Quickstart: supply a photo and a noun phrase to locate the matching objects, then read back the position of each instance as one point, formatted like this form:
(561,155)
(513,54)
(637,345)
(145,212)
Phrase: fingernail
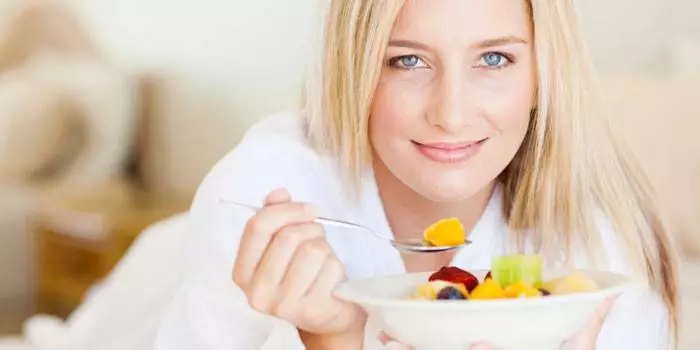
(276,196)
(383,338)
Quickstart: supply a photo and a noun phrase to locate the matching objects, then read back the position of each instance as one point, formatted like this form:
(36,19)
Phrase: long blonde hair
(569,168)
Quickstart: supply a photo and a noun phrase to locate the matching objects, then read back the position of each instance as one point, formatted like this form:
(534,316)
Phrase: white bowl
(508,324)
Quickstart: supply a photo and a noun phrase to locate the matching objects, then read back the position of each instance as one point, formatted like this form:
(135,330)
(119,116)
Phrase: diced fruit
(507,270)
(489,289)
(450,293)
(455,275)
(431,290)
(445,232)
(576,282)
(521,290)
(510,277)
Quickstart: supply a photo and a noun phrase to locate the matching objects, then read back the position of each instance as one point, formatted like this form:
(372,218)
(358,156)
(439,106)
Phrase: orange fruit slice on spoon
(445,232)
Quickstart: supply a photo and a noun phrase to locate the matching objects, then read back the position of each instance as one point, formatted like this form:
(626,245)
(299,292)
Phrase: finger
(304,269)
(383,338)
(276,259)
(259,232)
(278,196)
(588,336)
(331,275)
(306,266)
(595,324)
(322,293)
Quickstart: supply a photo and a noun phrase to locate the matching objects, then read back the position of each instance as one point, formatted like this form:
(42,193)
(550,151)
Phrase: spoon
(408,245)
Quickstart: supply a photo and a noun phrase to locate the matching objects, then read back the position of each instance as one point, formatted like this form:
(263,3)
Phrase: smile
(450,153)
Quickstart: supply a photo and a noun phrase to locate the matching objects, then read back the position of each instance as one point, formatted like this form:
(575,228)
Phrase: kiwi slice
(510,269)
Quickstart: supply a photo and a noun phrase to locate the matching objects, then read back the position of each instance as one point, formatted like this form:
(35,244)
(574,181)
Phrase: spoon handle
(320,220)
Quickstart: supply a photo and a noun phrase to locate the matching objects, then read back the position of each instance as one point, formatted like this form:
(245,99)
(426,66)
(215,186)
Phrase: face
(456,91)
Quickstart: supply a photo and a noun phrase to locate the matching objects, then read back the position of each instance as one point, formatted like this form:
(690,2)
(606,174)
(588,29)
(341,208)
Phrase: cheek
(397,114)
(508,107)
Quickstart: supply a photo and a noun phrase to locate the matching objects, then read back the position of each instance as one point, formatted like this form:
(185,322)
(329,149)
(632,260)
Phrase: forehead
(463,20)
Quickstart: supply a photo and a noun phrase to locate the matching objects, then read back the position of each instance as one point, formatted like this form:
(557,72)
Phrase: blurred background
(112,111)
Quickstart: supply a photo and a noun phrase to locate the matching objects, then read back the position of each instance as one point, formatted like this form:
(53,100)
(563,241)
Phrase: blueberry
(450,293)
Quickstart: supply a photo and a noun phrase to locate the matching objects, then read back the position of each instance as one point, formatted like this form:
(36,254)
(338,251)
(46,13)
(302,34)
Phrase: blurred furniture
(79,241)
(67,125)
(125,309)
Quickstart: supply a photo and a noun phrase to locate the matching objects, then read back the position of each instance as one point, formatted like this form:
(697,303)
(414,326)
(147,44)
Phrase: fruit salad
(511,277)
(446,232)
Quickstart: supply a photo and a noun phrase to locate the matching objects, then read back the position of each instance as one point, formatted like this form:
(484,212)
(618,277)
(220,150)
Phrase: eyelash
(395,60)
(509,60)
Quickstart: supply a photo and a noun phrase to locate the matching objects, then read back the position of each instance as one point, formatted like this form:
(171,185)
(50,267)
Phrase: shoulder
(272,154)
(605,249)
(277,138)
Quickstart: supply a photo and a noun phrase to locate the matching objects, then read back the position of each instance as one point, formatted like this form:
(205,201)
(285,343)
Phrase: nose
(448,110)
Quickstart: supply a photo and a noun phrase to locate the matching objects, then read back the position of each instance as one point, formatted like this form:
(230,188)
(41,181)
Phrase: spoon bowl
(407,246)
(418,246)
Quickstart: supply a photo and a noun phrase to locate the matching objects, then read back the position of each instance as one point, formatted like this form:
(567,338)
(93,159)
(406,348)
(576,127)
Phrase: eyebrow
(500,41)
(484,44)
(409,44)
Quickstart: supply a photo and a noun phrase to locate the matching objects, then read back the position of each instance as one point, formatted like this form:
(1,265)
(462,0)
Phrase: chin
(448,190)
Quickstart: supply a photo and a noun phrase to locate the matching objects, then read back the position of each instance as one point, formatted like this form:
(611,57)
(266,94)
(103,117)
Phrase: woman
(481,110)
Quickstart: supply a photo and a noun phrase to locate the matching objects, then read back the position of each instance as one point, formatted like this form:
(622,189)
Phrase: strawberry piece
(454,274)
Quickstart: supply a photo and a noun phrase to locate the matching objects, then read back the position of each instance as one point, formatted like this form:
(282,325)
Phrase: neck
(409,213)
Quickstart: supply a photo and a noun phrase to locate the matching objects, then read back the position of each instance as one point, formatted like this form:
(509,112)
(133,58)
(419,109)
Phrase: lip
(449,152)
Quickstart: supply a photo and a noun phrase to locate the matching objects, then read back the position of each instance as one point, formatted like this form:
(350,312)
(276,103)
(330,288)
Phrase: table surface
(80,241)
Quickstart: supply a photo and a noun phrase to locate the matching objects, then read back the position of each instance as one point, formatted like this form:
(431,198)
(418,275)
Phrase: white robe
(210,312)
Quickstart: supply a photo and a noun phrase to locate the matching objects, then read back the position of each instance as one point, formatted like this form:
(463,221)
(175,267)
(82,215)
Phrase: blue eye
(407,62)
(494,60)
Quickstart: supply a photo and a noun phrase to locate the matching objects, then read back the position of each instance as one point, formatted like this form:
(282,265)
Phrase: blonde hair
(569,168)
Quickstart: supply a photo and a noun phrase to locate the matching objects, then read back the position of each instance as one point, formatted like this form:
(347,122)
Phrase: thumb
(595,324)
(278,196)
(587,337)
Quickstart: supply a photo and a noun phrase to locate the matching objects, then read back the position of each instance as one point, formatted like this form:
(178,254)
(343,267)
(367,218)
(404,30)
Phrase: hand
(587,337)
(287,270)
(583,340)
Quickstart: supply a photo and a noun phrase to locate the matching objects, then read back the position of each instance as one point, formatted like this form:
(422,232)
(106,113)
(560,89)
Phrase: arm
(210,311)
